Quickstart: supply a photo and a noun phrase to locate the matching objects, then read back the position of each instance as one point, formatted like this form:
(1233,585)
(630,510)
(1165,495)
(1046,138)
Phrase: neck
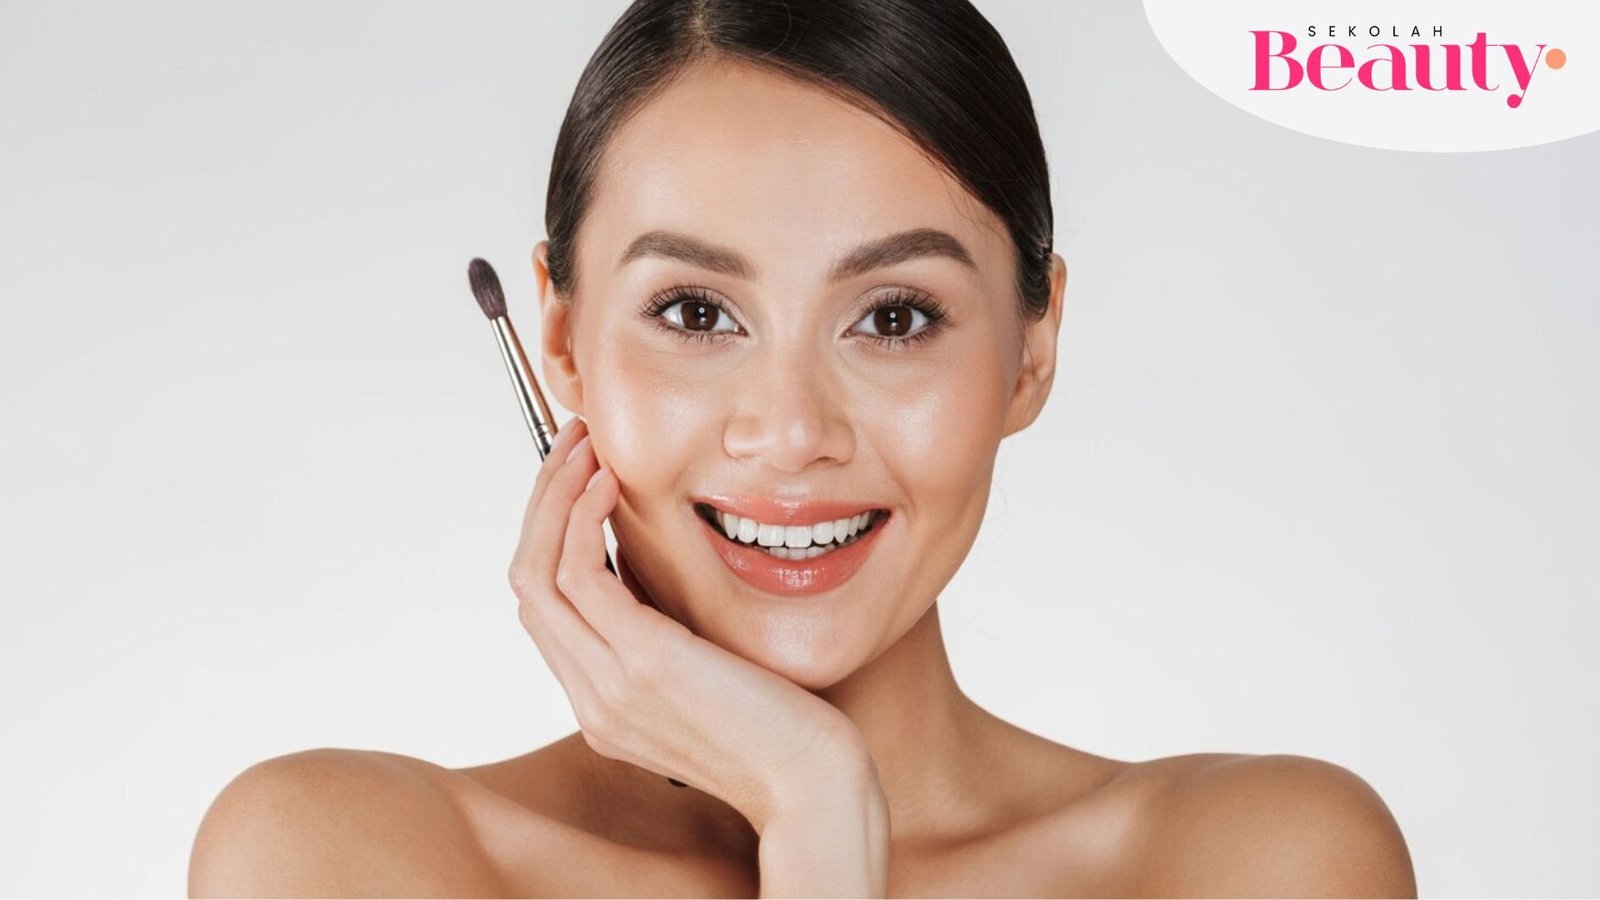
(926,737)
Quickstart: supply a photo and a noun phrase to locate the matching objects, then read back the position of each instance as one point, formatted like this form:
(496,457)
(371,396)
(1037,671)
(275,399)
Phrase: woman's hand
(644,688)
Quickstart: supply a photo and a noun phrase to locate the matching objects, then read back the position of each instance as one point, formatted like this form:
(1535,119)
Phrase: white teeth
(805,553)
(796,539)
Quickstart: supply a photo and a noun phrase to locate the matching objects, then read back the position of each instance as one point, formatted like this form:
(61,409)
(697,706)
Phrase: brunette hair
(936,70)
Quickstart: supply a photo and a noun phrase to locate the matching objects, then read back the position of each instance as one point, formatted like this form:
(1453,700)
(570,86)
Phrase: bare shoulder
(337,822)
(1247,825)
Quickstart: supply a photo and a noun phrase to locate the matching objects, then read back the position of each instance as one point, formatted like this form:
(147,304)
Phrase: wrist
(844,783)
(832,841)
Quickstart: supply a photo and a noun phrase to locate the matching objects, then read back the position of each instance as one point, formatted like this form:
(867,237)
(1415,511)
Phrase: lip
(793,577)
(775,511)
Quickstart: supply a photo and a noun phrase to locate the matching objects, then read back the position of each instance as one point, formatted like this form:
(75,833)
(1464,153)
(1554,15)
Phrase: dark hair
(934,69)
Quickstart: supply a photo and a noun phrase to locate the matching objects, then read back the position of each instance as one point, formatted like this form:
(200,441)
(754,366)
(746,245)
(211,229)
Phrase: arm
(829,839)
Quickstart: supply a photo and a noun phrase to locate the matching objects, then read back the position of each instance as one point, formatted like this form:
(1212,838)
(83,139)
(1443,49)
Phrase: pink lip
(768,573)
(783,512)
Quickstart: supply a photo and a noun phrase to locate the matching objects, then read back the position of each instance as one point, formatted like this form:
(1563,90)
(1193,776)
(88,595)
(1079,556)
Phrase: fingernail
(563,438)
(595,477)
(578,448)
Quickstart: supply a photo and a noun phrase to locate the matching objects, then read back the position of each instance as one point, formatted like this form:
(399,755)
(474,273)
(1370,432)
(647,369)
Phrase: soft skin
(793,404)
(790,177)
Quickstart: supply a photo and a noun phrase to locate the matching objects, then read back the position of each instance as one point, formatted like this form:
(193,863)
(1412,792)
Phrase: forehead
(782,170)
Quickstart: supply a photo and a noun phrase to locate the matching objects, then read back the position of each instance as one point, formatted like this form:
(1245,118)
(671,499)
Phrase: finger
(599,596)
(520,574)
(574,678)
(565,436)
(567,643)
(560,448)
(538,558)
(534,520)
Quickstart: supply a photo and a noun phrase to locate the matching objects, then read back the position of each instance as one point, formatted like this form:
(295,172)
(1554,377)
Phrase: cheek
(650,421)
(940,435)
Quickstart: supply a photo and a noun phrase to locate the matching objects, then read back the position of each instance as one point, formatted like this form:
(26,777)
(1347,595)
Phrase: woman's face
(793,390)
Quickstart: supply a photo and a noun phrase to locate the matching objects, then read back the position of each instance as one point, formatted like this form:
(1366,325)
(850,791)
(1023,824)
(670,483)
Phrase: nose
(789,415)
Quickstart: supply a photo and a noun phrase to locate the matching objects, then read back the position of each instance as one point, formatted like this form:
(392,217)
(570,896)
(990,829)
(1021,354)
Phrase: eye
(689,313)
(894,319)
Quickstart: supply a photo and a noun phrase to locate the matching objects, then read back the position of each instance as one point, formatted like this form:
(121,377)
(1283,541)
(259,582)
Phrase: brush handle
(541,424)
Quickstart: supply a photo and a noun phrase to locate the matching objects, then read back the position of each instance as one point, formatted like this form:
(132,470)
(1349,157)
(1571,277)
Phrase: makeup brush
(541,424)
(492,300)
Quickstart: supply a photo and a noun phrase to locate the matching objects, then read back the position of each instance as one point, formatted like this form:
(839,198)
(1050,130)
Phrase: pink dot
(1514,101)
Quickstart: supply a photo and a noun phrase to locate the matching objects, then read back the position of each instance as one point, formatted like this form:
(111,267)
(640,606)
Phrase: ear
(555,337)
(1038,371)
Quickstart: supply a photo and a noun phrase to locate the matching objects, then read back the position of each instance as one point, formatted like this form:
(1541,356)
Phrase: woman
(799,285)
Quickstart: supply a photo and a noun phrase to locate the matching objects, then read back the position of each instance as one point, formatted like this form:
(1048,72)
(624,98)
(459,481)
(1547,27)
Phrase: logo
(1440,77)
(1429,67)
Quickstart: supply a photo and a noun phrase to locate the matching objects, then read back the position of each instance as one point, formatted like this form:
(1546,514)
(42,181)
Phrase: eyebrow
(874,254)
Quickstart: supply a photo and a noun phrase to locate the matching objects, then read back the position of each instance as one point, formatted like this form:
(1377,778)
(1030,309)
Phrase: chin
(812,658)
(806,668)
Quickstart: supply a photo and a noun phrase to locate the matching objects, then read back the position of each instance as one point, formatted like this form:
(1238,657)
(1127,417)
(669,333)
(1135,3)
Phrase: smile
(792,541)
(792,559)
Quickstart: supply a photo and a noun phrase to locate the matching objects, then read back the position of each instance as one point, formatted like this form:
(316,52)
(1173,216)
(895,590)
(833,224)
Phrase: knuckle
(566,580)
(521,581)
(517,572)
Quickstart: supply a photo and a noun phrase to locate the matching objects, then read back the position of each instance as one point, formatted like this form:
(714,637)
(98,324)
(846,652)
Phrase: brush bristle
(486,288)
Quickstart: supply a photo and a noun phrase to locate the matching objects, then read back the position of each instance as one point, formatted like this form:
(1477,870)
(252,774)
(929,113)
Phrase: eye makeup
(934,312)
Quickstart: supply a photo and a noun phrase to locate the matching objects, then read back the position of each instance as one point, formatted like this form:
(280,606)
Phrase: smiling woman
(798,287)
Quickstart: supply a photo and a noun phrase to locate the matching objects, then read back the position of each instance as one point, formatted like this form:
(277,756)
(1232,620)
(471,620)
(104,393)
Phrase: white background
(1318,475)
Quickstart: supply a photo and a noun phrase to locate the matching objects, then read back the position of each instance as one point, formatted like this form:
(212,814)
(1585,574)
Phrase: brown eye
(698,316)
(695,315)
(895,321)
(892,321)
(690,313)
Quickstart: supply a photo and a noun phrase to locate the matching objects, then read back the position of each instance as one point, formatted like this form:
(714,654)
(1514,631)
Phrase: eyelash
(929,307)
